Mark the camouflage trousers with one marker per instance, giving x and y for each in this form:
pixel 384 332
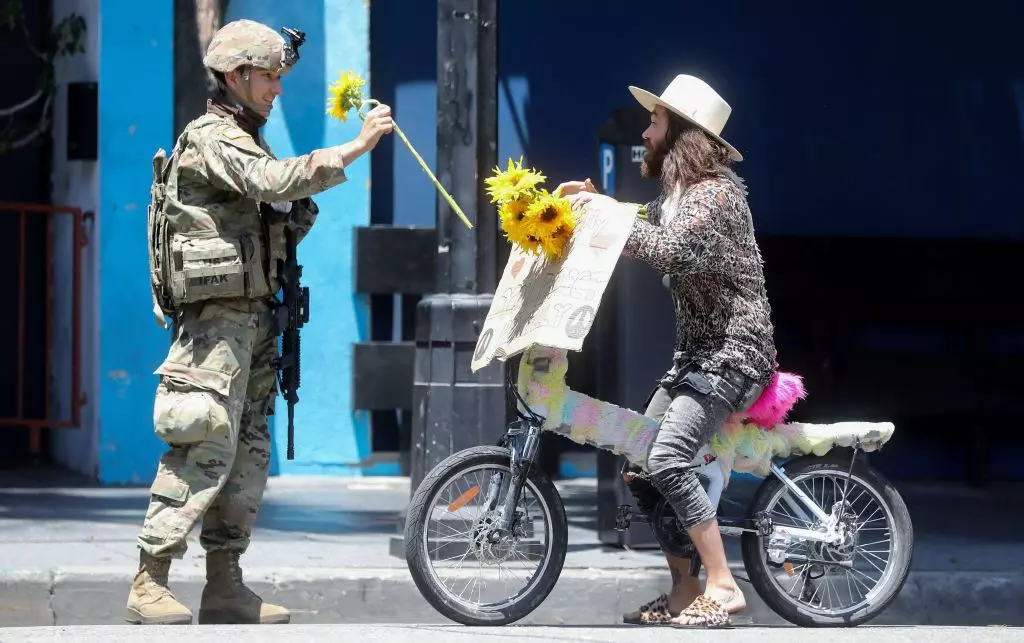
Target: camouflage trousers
pixel 217 386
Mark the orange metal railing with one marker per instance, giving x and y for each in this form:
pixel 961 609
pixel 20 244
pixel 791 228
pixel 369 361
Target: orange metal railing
pixel 37 424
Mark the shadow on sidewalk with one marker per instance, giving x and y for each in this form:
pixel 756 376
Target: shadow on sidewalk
pixel 955 522
pixel 32 498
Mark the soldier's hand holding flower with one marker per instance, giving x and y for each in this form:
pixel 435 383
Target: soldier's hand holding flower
pixel 346 94
pixel 378 122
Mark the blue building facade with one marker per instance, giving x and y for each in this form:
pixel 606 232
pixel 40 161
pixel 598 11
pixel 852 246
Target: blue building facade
pixel 852 126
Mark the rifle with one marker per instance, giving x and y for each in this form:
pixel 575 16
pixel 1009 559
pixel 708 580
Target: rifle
pixel 294 311
pixel 291 316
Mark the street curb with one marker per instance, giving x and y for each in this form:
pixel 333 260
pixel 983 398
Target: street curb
pixel 582 597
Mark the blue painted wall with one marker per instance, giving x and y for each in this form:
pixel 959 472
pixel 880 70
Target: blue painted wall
pixel 137 62
pixel 136 65
pixel 330 438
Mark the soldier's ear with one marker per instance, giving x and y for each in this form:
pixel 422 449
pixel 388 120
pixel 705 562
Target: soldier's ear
pixel 233 79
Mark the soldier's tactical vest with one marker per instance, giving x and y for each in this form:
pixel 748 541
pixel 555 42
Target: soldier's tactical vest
pixel 188 266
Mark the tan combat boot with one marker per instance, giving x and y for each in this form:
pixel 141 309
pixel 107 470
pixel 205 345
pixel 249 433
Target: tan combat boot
pixel 150 602
pixel 227 600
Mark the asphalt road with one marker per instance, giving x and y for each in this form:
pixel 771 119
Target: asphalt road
pixel 458 634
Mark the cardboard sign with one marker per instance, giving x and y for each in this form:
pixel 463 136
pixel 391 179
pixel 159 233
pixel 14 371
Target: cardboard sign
pixel 554 303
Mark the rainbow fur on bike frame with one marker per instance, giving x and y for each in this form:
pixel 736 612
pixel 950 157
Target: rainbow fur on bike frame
pixel 747 443
pixel 581 418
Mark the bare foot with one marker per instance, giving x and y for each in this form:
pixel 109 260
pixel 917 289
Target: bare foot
pixel 730 598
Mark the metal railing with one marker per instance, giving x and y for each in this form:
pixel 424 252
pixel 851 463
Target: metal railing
pixel 37 423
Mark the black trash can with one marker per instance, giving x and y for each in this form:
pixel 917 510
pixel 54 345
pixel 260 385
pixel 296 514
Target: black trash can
pixel 454 408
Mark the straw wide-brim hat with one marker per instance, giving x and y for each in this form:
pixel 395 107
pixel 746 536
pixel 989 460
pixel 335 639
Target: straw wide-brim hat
pixel 696 102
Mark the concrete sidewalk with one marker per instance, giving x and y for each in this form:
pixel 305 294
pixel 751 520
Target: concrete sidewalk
pixel 393 633
pixel 321 548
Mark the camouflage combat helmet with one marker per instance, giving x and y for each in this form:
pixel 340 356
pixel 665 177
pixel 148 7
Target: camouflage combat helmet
pixel 246 42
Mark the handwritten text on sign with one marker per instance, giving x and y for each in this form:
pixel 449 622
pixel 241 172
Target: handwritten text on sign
pixel 555 303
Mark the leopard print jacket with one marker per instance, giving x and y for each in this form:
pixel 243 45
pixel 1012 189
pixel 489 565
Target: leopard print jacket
pixel 703 242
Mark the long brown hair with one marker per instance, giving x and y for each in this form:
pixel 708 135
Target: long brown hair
pixel 686 156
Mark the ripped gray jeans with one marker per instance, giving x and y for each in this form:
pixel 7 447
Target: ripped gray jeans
pixel 692 406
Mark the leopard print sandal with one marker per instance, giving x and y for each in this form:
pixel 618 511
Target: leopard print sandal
pixel 703 613
pixel 653 613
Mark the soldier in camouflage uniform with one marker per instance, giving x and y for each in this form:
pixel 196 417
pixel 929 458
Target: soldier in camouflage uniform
pixel 217 216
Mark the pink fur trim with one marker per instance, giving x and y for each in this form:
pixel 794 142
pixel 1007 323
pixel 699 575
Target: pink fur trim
pixel 777 399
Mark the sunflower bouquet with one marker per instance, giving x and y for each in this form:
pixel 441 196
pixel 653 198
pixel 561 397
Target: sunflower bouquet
pixel 346 94
pixel 532 218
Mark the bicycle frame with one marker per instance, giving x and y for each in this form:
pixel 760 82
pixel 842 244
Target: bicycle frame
pixel 522 438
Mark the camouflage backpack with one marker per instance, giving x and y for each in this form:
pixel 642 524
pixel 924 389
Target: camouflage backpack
pixel 192 265
pixel 158 235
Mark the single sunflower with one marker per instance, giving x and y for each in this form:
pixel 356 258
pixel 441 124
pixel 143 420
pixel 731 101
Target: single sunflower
pixel 344 94
pixel 510 183
pixel 555 244
pixel 548 213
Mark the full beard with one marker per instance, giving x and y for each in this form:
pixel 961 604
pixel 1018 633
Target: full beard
pixel 654 158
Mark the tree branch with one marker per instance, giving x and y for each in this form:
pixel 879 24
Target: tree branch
pixel 9 111
pixel 38 131
pixel 28 42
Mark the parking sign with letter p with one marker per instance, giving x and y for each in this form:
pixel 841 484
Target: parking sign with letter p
pixel 607 154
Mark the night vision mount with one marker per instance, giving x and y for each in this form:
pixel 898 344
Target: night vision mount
pixel 291 50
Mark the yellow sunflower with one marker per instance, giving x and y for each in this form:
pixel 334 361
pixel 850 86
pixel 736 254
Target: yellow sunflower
pixel 510 183
pixel 554 245
pixel 513 212
pixel 521 238
pixel 346 93
pixel 548 213
pixel 517 230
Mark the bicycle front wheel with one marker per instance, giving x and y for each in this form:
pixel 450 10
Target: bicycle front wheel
pixel 460 563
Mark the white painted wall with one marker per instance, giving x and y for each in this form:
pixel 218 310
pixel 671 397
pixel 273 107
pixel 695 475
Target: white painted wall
pixel 76 184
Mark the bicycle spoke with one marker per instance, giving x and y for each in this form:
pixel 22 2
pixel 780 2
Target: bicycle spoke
pixel 465 556
pixel 815 583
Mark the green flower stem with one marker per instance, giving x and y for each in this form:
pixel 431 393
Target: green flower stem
pixel 641 209
pixel 423 164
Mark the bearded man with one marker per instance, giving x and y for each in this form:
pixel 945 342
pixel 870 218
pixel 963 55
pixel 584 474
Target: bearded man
pixel 699 234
